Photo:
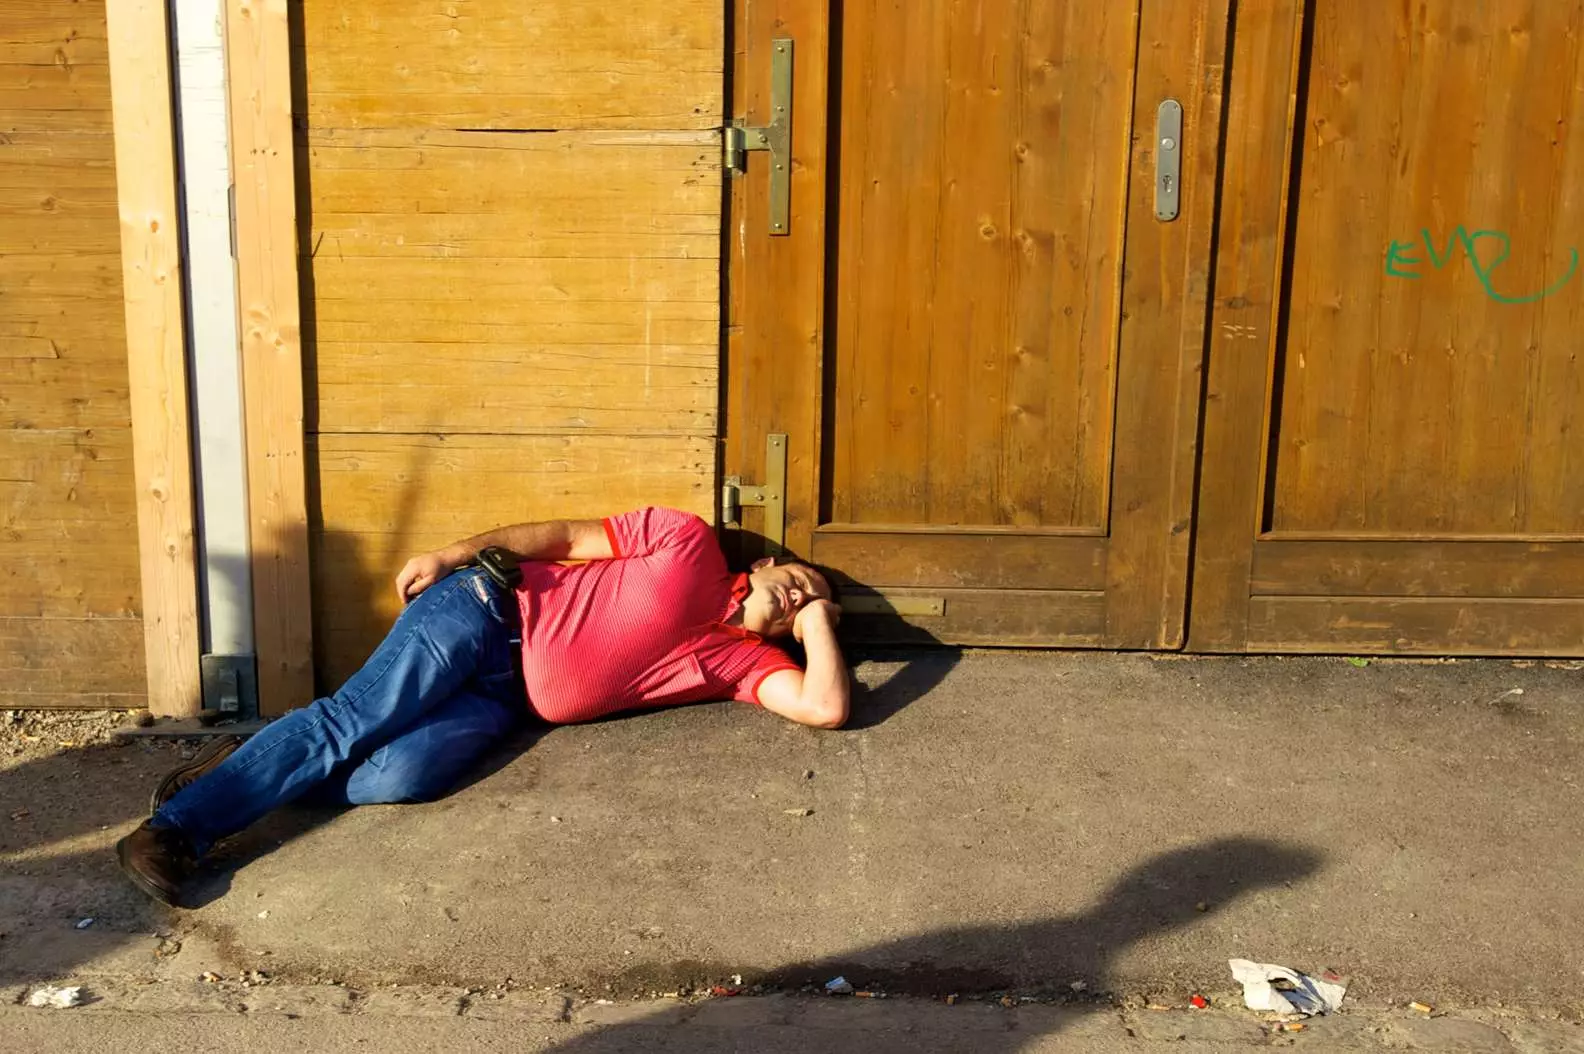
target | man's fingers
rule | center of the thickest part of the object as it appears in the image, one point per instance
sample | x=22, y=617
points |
x=405, y=580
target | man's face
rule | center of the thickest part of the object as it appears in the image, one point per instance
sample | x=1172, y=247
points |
x=778, y=593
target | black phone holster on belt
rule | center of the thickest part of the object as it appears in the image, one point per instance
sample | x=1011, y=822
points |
x=500, y=565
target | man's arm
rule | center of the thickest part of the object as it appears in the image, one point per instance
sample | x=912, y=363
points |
x=819, y=696
x=551, y=540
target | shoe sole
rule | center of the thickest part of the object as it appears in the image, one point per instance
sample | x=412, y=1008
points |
x=159, y=893
x=221, y=748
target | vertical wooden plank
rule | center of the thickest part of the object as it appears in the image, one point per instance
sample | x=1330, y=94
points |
x=968, y=353
x=259, y=58
x=892, y=108
x=1409, y=389
x=1553, y=500
x=156, y=355
x=1165, y=299
x=1069, y=204
x=1243, y=321
x=776, y=307
x=1333, y=353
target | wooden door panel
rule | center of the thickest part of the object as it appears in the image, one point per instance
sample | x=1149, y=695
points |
x=1005, y=391
x=1419, y=569
x=1418, y=395
x=1416, y=625
x=984, y=164
x=987, y=560
x=988, y=617
x=1390, y=458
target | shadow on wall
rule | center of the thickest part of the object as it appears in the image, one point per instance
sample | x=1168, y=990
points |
x=1157, y=897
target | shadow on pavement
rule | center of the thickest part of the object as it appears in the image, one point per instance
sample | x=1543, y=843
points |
x=1167, y=893
x=923, y=670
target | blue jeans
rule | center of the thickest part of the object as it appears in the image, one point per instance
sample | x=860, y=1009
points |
x=438, y=691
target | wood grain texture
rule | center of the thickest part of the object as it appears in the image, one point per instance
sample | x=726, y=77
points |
x=984, y=160
x=72, y=663
x=68, y=521
x=1244, y=314
x=514, y=230
x=156, y=356
x=379, y=499
x=569, y=324
x=502, y=388
x=1434, y=626
x=465, y=64
x=1422, y=401
x=258, y=59
x=1165, y=299
x=70, y=590
x=1419, y=569
x=965, y=560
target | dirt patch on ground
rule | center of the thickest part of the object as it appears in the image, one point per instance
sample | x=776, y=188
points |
x=26, y=734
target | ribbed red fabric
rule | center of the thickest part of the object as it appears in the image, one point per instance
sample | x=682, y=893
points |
x=644, y=629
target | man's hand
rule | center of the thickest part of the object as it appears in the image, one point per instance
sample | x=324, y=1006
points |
x=816, y=612
x=424, y=571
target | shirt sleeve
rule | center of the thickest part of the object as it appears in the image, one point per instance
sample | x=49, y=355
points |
x=654, y=530
x=762, y=660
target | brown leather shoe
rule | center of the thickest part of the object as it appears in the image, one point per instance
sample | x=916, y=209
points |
x=158, y=860
x=216, y=751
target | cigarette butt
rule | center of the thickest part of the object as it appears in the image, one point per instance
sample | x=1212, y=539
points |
x=1423, y=1008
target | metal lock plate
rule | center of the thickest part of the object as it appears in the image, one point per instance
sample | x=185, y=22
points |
x=1168, y=160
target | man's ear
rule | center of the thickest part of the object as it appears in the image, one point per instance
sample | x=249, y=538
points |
x=762, y=563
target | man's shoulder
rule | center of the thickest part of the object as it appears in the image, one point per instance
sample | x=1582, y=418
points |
x=656, y=530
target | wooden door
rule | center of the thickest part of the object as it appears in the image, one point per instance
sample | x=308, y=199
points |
x=982, y=344
x=1394, y=432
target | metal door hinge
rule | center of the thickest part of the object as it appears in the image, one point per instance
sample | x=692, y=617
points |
x=774, y=138
x=771, y=496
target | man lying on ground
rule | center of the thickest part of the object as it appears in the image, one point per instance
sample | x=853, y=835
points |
x=651, y=618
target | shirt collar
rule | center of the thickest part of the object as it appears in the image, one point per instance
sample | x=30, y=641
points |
x=740, y=589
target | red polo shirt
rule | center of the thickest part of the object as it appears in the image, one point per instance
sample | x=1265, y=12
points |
x=644, y=629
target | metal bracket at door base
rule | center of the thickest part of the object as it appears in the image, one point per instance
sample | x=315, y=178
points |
x=775, y=138
x=771, y=496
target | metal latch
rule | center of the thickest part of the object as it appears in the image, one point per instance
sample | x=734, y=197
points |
x=775, y=137
x=771, y=496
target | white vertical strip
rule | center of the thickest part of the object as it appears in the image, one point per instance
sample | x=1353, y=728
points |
x=225, y=582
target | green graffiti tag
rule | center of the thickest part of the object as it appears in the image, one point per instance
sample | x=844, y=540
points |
x=1400, y=264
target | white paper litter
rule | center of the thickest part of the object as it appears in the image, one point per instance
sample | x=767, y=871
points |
x=839, y=986
x=58, y=998
x=1279, y=990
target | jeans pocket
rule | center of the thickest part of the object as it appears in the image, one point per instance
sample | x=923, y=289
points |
x=489, y=595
